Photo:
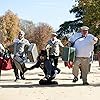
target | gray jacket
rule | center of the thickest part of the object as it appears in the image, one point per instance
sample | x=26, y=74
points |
x=53, y=47
x=19, y=46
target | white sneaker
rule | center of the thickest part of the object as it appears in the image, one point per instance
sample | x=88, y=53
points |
x=55, y=73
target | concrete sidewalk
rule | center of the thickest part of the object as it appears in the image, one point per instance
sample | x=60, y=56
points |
x=29, y=89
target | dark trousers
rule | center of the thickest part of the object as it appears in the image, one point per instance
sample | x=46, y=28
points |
x=53, y=59
x=98, y=55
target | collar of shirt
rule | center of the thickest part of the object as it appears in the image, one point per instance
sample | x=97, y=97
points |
x=53, y=39
x=18, y=40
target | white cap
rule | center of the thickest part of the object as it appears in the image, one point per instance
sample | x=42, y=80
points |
x=84, y=28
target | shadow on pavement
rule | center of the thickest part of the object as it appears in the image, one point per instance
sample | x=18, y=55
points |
x=6, y=80
x=96, y=85
x=11, y=80
x=63, y=79
x=38, y=86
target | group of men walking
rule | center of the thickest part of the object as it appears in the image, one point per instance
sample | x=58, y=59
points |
x=48, y=58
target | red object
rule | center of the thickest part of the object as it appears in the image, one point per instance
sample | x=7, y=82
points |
x=5, y=64
x=69, y=64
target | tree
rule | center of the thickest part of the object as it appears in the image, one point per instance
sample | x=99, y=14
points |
x=1, y=29
x=69, y=27
x=9, y=26
x=91, y=15
x=42, y=34
x=27, y=26
x=72, y=26
x=38, y=34
x=87, y=12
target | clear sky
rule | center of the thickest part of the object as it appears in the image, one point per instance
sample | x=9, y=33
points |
x=52, y=12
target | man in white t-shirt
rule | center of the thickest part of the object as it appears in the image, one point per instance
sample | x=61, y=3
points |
x=84, y=44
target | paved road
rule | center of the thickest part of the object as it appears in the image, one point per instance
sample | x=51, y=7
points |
x=29, y=89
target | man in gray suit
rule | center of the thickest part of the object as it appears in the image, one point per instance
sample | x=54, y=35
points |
x=19, y=55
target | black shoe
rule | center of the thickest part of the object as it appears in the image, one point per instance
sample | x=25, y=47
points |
x=58, y=70
x=81, y=77
x=23, y=78
x=75, y=79
x=17, y=79
x=86, y=83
